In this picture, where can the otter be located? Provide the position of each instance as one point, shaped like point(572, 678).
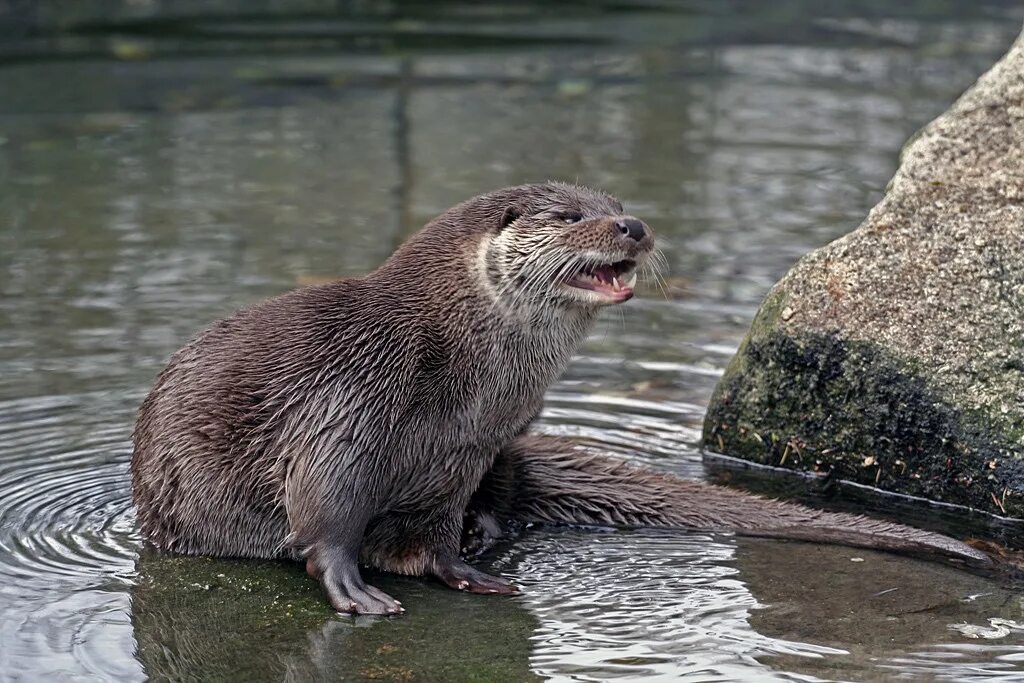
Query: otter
point(365, 420)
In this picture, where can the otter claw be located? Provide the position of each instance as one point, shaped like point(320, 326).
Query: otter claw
point(347, 592)
point(371, 606)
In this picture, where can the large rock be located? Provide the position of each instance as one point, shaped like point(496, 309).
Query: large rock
point(895, 355)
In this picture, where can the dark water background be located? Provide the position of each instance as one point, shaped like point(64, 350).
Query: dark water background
point(162, 164)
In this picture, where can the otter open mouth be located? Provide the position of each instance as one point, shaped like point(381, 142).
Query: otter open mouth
point(612, 281)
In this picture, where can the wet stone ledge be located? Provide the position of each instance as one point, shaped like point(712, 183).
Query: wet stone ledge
point(894, 356)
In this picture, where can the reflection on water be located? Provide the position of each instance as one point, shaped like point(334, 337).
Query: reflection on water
point(158, 174)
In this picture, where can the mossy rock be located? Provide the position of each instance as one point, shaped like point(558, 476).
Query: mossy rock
point(198, 618)
point(894, 356)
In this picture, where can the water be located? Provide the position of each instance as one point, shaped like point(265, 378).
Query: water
point(156, 174)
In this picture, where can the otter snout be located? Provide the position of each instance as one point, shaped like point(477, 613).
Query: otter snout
point(631, 228)
point(631, 235)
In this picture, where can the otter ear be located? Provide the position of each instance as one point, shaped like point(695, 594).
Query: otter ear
point(510, 214)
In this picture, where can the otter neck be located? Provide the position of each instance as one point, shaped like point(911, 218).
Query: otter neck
point(530, 340)
point(515, 303)
point(448, 290)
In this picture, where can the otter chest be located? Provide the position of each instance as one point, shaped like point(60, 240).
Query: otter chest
point(510, 386)
point(485, 403)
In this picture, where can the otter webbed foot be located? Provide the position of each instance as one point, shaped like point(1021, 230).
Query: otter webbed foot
point(460, 576)
point(346, 590)
point(481, 531)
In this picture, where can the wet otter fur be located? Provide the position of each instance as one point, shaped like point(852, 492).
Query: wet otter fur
point(353, 422)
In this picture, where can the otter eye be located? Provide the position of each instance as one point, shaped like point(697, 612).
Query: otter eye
point(571, 217)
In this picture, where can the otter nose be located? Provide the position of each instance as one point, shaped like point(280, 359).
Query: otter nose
point(631, 228)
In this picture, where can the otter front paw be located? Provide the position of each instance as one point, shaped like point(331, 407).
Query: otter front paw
point(347, 592)
point(480, 532)
point(460, 576)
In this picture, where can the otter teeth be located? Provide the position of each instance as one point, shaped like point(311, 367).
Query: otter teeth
point(613, 281)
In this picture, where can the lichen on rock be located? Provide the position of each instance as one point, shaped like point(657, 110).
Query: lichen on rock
point(894, 356)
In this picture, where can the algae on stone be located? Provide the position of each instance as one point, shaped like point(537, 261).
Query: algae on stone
point(895, 355)
point(200, 618)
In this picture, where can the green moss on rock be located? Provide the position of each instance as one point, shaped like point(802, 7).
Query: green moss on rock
point(826, 404)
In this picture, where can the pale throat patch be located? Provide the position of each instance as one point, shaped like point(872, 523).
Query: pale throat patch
point(503, 248)
point(497, 251)
point(480, 268)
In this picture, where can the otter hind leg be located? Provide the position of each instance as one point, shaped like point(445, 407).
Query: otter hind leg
point(412, 545)
point(461, 576)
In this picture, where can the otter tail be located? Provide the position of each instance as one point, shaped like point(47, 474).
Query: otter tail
point(550, 480)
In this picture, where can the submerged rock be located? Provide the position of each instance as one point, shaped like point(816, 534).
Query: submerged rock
point(894, 356)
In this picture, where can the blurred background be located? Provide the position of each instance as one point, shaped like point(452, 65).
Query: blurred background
point(164, 163)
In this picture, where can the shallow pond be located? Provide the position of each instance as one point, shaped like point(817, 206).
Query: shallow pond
point(158, 170)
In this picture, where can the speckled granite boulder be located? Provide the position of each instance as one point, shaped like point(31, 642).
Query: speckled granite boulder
point(895, 355)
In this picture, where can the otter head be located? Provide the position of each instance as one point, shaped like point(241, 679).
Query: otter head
point(561, 244)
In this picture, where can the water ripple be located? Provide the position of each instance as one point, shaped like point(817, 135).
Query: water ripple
point(65, 512)
point(657, 605)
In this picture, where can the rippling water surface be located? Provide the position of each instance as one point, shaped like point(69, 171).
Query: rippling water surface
point(159, 170)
